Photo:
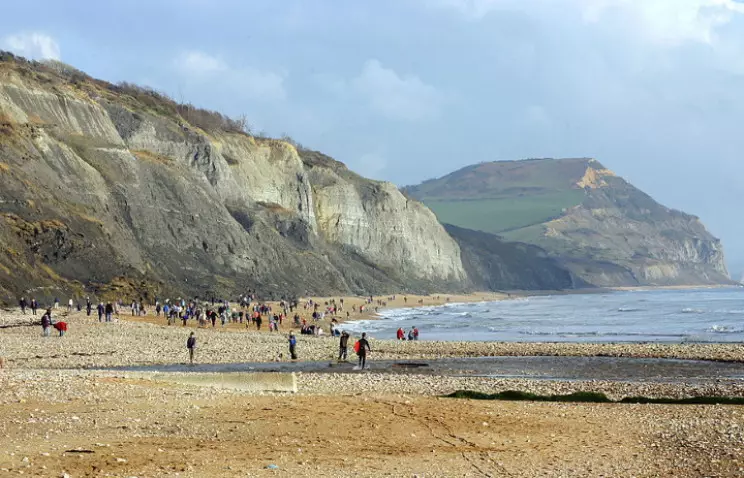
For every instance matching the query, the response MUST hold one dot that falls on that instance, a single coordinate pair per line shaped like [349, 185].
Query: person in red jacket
[61, 327]
[401, 334]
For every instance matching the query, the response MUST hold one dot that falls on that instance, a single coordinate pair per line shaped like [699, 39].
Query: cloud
[370, 165]
[395, 96]
[196, 62]
[669, 22]
[32, 45]
[666, 22]
[471, 9]
[247, 82]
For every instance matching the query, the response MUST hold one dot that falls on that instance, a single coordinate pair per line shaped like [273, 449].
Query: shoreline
[89, 343]
[126, 342]
[64, 418]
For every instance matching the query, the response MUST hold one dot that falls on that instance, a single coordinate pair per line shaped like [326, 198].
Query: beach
[85, 424]
[68, 409]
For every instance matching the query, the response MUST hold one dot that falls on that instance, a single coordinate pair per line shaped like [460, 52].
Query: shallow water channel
[536, 368]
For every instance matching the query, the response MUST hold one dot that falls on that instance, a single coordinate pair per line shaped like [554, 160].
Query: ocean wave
[447, 326]
[521, 299]
[597, 333]
[462, 314]
[402, 314]
[689, 310]
[724, 329]
[455, 304]
[629, 309]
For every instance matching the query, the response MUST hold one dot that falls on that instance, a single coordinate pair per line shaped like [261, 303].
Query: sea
[671, 316]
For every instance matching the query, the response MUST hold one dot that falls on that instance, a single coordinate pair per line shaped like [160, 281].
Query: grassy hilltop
[596, 224]
[502, 197]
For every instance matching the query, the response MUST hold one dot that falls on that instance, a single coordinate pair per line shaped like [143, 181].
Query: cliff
[116, 189]
[495, 264]
[590, 221]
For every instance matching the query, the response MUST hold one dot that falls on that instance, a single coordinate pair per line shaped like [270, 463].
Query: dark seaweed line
[593, 397]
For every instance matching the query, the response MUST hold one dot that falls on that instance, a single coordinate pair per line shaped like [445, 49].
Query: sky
[407, 90]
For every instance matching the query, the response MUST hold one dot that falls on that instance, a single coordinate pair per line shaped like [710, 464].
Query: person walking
[69, 305]
[100, 309]
[109, 311]
[88, 306]
[22, 303]
[34, 306]
[292, 346]
[191, 346]
[46, 323]
[362, 349]
[343, 344]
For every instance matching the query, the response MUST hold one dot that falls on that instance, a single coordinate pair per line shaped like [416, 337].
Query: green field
[505, 214]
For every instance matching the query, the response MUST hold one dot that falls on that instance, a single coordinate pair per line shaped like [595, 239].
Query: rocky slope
[593, 223]
[111, 189]
[495, 264]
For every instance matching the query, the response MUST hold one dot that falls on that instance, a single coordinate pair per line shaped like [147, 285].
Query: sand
[57, 417]
[102, 424]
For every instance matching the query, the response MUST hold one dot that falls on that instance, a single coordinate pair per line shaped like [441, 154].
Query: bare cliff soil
[592, 223]
[117, 188]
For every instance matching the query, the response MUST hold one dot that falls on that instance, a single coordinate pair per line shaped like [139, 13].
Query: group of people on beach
[48, 322]
[248, 311]
[413, 334]
[32, 304]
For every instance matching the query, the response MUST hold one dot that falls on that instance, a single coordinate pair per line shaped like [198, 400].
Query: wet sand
[534, 368]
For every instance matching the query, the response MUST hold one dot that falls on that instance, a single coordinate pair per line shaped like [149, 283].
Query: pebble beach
[58, 397]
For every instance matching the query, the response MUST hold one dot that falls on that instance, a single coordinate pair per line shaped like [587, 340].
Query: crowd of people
[244, 310]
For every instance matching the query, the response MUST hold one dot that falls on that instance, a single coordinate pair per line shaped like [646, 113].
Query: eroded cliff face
[633, 240]
[96, 187]
[379, 222]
